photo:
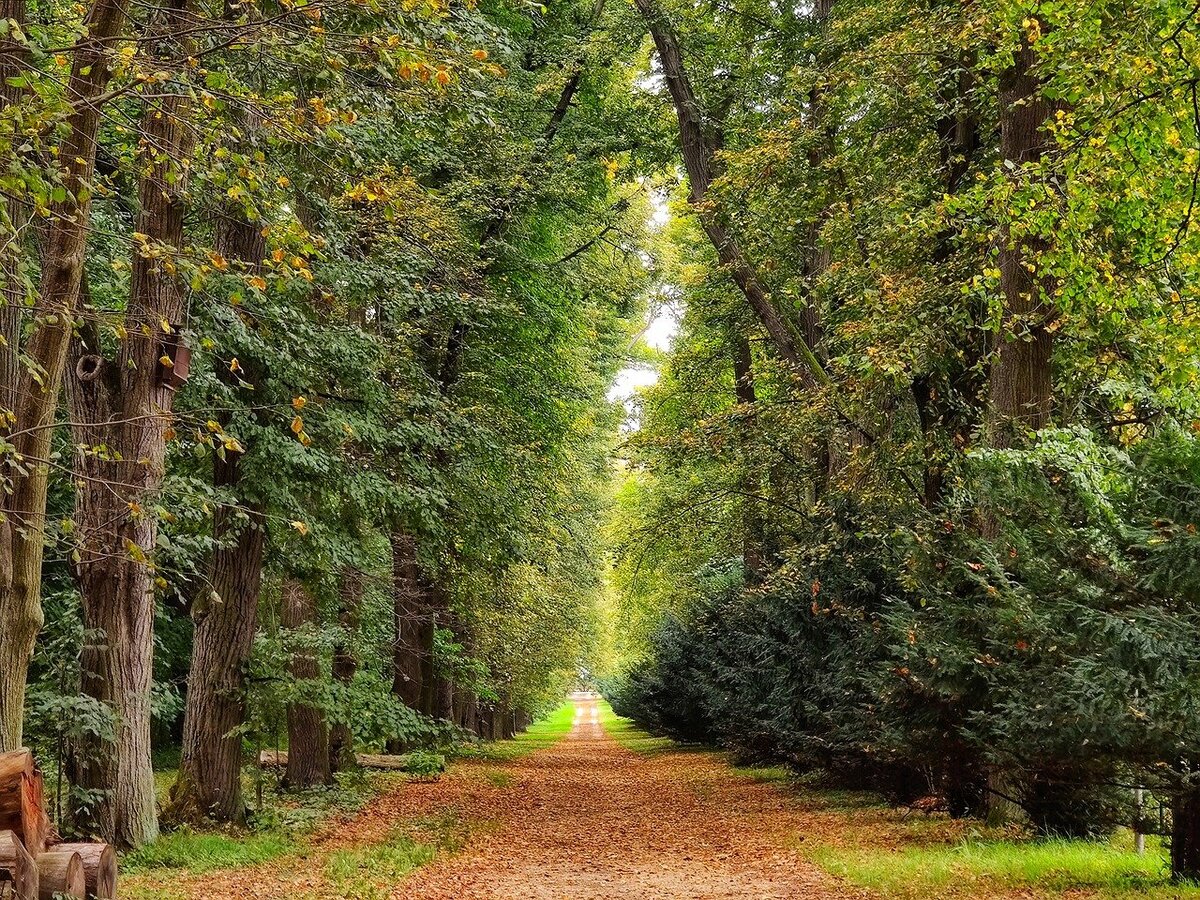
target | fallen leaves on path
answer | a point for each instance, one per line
(585, 819)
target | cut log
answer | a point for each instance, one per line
(99, 868)
(269, 759)
(60, 872)
(22, 801)
(18, 871)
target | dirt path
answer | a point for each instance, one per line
(589, 820)
(585, 819)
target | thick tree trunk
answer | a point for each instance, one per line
(308, 732)
(1020, 383)
(125, 406)
(345, 665)
(209, 784)
(22, 531)
(443, 704)
(1019, 391)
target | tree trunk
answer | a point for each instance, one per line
(443, 707)
(699, 151)
(125, 406)
(413, 649)
(1020, 385)
(753, 560)
(308, 732)
(345, 665)
(209, 784)
(1019, 391)
(22, 536)
(1185, 836)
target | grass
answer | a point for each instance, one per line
(978, 868)
(370, 873)
(545, 732)
(629, 736)
(200, 851)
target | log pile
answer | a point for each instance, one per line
(34, 863)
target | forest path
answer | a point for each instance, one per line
(588, 819)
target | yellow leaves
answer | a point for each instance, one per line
(442, 77)
(257, 282)
(283, 181)
(166, 362)
(234, 365)
(278, 254)
(297, 425)
(320, 112)
(480, 55)
(300, 527)
(298, 403)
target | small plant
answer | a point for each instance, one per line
(425, 766)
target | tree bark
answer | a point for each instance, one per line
(1019, 391)
(308, 731)
(413, 649)
(1185, 836)
(345, 665)
(209, 785)
(24, 509)
(124, 405)
(209, 782)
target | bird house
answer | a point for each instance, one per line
(174, 361)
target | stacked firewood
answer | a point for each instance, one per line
(34, 863)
